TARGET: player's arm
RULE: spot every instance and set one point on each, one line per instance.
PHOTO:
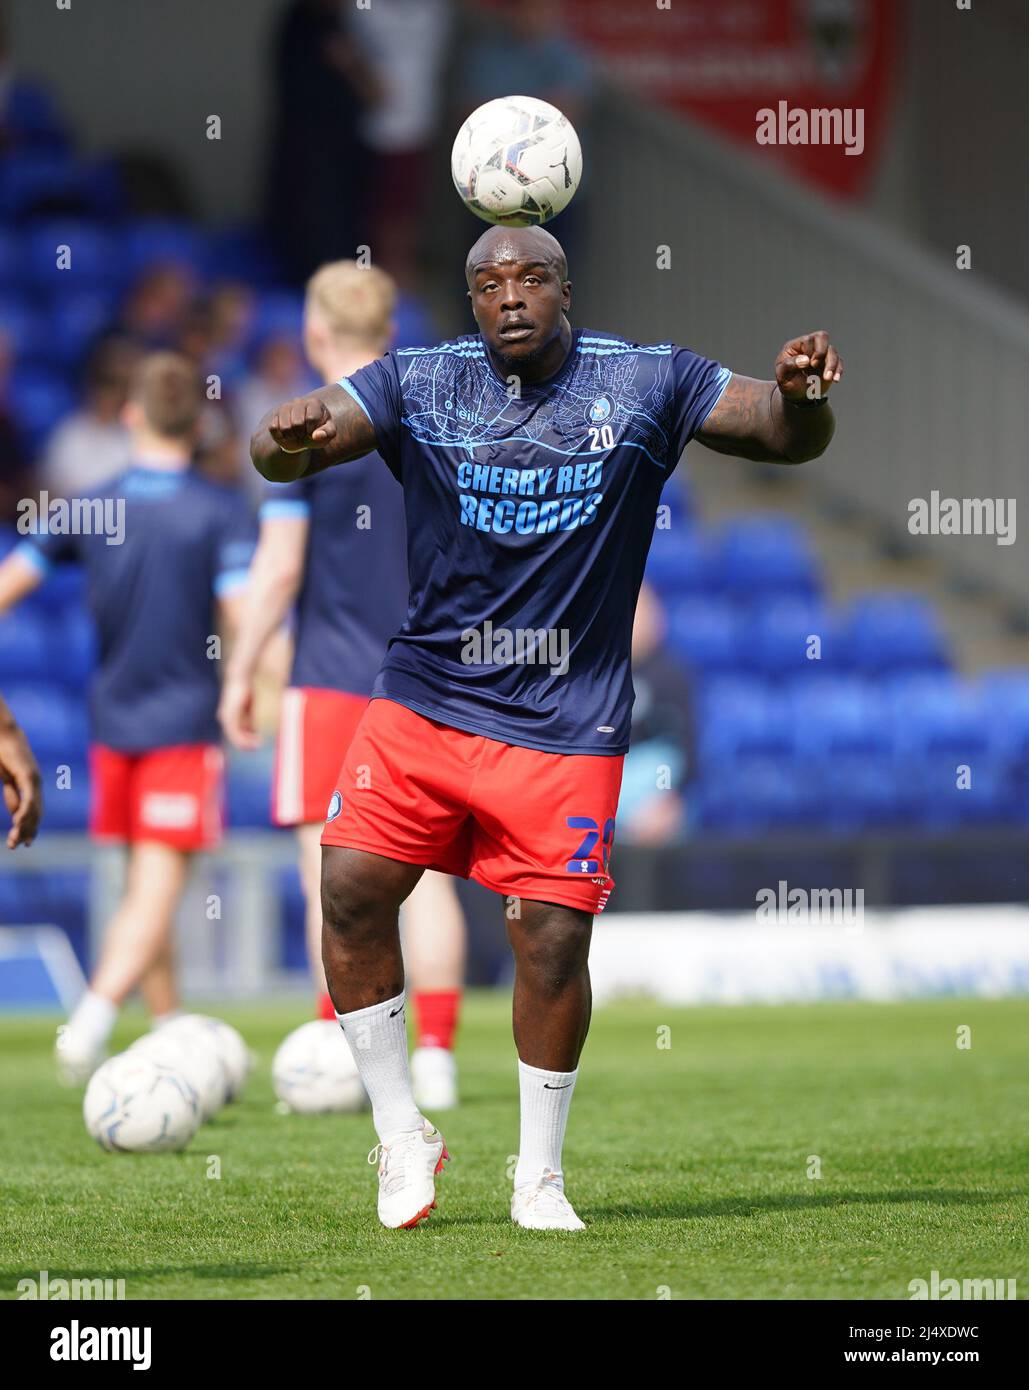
(779, 421)
(316, 431)
(276, 574)
(20, 780)
(22, 571)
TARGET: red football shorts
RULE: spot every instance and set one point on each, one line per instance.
(315, 730)
(524, 823)
(171, 795)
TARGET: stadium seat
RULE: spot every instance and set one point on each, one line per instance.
(25, 646)
(30, 179)
(892, 632)
(279, 313)
(758, 556)
(75, 321)
(78, 640)
(752, 795)
(705, 633)
(40, 399)
(55, 723)
(23, 327)
(939, 713)
(779, 637)
(680, 563)
(67, 807)
(739, 717)
(837, 715)
(248, 791)
(150, 241)
(241, 253)
(93, 263)
(1005, 695)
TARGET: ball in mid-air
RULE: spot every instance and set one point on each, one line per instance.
(314, 1072)
(134, 1104)
(516, 161)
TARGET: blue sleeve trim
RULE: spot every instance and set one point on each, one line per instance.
(32, 555)
(230, 582)
(289, 508)
(351, 392)
(721, 381)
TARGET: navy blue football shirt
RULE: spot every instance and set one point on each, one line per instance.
(529, 518)
(354, 592)
(185, 541)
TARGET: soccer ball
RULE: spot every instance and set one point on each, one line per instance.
(136, 1105)
(191, 1058)
(223, 1040)
(516, 161)
(314, 1071)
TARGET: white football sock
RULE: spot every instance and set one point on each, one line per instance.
(378, 1039)
(546, 1097)
(91, 1021)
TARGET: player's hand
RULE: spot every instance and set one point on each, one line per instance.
(305, 423)
(22, 788)
(236, 713)
(811, 356)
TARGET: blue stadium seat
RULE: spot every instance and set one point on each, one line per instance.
(279, 313)
(241, 253)
(740, 717)
(706, 633)
(860, 790)
(150, 241)
(26, 646)
(55, 723)
(23, 326)
(837, 715)
(40, 399)
(990, 797)
(759, 556)
(94, 261)
(67, 807)
(680, 562)
(76, 319)
(892, 632)
(78, 642)
(1005, 695)
(31, 177)
(12, 269)
(779, 637)
(248, 791)
(415, 327)
(754, 794)
(939, 713)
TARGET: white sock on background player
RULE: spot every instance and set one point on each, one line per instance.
(546, 1097)
(91, 1022)
(378, 1039)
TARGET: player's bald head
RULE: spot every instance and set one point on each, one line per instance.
(516, 244)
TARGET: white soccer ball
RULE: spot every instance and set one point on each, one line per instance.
(314, 1071)
(517, 161)
(134, 1104)
(221, 1038)
(194, 1059)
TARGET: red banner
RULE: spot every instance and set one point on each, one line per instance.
(805, 82)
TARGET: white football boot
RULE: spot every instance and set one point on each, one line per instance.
(434, 1078)
(543, 1206)
(76, 1060)
(408, 1165)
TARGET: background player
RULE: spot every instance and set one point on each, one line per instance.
(334, 546)
(532, 459)
(156, 592)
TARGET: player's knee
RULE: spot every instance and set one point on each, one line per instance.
(556, 948)
(352, 901)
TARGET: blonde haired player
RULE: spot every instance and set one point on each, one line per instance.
(158, 585)
(334, 547)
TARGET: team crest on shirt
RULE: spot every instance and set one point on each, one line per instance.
(600, 410)
(335, 806)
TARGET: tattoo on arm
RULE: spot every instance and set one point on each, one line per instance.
(754, 421)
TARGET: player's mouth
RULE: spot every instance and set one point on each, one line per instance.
(516, 330)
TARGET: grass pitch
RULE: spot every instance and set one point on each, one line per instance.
(691, 1164)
